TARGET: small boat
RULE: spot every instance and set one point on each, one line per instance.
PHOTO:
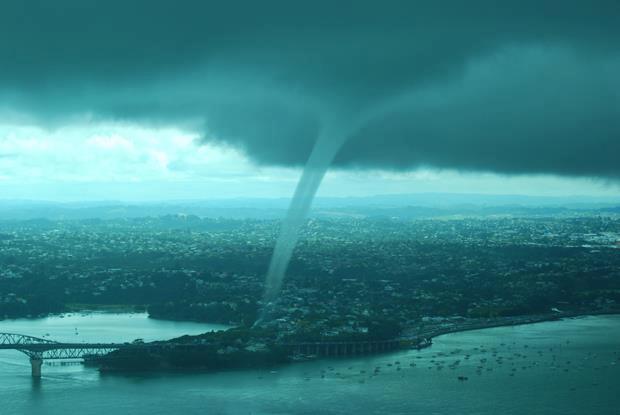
(462, 378)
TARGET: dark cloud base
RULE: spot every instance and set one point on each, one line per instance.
(511, 87)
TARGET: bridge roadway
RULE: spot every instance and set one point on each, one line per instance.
(38, 349)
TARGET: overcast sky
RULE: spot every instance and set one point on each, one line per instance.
(152, 100)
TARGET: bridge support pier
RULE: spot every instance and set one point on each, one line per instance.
(35, 365)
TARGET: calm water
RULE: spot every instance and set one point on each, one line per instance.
(567, 367)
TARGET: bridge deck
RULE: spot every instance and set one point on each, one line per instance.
(57, 346)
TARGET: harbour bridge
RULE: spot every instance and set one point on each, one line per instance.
(38, 349)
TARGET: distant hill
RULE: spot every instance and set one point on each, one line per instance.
(408, 206)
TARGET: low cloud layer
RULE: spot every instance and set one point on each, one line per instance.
(509, 87)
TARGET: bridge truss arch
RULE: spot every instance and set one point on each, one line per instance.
(38, 348)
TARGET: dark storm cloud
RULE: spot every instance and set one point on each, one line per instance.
(511, 86)
(514, 113)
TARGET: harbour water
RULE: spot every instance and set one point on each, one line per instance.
(562, 367)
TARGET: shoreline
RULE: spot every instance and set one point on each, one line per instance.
(510, 321)
(77, 308)
(85, 308)
(80, 308)
(423, 340)
(103, 308)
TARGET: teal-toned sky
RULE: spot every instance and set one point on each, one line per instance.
(104, 161)
(201, 99)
